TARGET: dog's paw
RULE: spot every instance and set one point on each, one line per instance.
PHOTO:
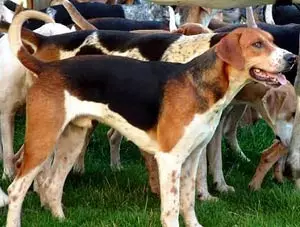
(224, 188)
(58, 213)
(297, 183)
(8, 175)
(207, 197)
(243, 156)
(116, 167)
(78, 169)
(254, 186)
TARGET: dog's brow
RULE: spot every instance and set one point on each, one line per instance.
(269, 37)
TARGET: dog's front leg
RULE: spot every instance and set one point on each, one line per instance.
(268, 158)
(214, 154)
(202, 188)
(114, 138)
(169, 167)
(187, 187)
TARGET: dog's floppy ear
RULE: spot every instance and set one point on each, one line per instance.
(229, 50)
(280, 100)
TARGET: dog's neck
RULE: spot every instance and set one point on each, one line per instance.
(215, 80)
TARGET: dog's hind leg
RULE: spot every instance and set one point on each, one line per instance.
(7, 137)
(230, 129)
(69, 147)
(44, 124)
(115, 139)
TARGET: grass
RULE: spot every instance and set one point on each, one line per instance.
(120, 199)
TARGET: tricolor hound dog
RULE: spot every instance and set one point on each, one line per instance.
(169, 110)
(139, 46)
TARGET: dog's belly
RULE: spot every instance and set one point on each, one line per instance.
(197, 133)
(101, 112)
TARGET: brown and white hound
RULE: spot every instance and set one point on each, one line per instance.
(170, 110)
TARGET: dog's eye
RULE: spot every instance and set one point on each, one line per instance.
(258, 45)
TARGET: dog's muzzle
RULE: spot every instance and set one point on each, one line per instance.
(290, 61)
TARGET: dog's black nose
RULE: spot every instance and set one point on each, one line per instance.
(290, 58)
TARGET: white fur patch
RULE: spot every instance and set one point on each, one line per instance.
(284, 130)
(269, 14)
(6, 14)
(75, 107)
(3, 198)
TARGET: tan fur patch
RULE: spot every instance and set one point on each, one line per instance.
(44, 99)
(50, 53)
(180, 105)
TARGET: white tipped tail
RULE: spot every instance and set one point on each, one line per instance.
(14, 36)
(250, 17)
(77, 18)
(172, 20)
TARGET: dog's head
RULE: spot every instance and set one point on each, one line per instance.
(280, 104)
(192, 29)
(252, 50)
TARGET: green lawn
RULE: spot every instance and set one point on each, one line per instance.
(105, 198)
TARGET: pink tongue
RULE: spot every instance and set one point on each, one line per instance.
(281, 79)
(279, 76)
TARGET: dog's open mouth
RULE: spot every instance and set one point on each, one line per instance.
(271, 78)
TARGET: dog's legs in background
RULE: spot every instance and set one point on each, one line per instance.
(69, 147)
(268, 158)
(187, 187)
(79, 164)
(151, 166)
(3, 198)
(230, 129)
(7, 138)
(202, 188)
(114, 138)
(214, 154)
(279, 168)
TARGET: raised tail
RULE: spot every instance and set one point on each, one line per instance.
(14, 35)
(77, 18)
(250, 18)
(29, 37)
